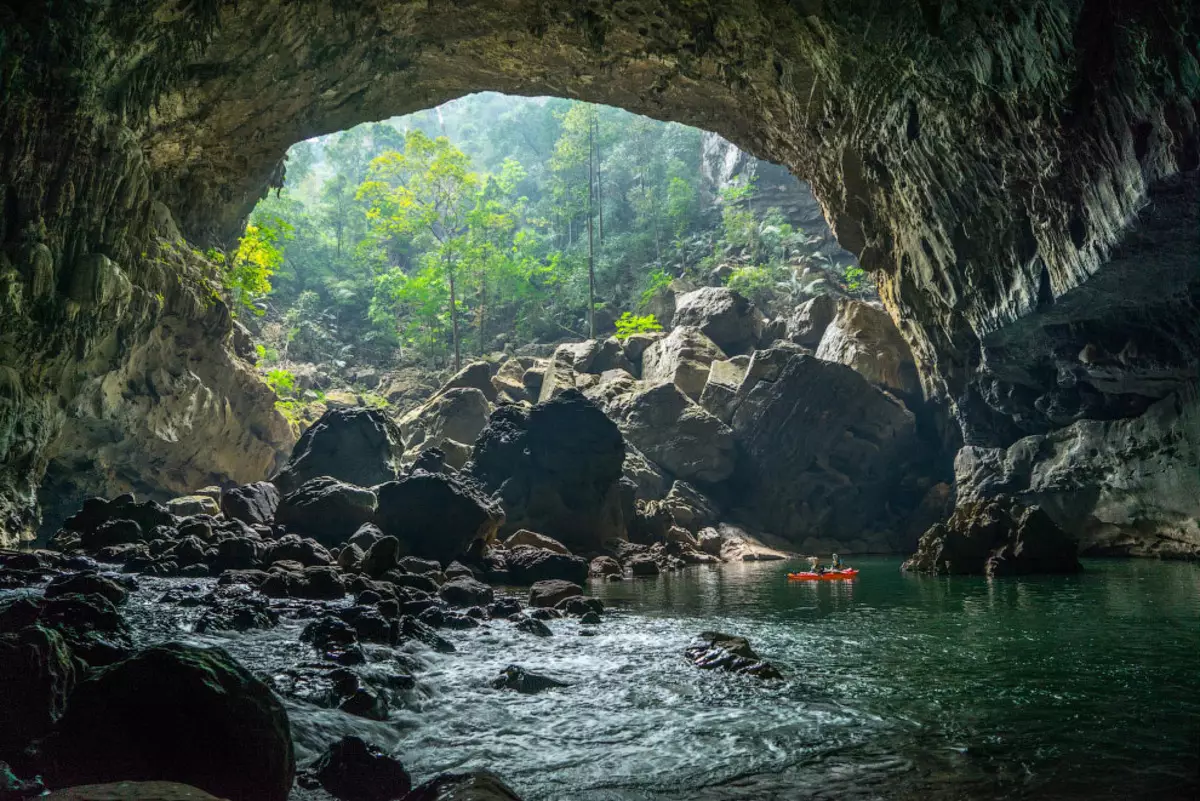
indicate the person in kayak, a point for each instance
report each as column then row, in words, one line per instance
column 836, row 563
column 814, row 565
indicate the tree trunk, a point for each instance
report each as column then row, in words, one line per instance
column 482, row 312
column 591, row 249
column 453, row 312
column 599, row 177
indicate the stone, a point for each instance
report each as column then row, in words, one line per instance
column 89, row 624
column 649, row 481
column 85, row 584
column 683, row 358
column 463, row 592
column 719, row 397
column 533, row 539
column 806, row 325
column 564, row 369
column 251, row 503
column 132, row 791
column 356, row 446
column 726, row 317
column 526, row 682
column 555, row 470
column 39, row 674
column 643, row 564
column 366, row 536
column 509, row 382
column 305, row 551
column 995, row 537
column 605, row 566
column 435, row 516
column 689, row 508
column 710, row 541
column 477, row 785
column 864, row 338
column 534, row 626
column 328, row 510
column 244, row 613
column 223, row 730
column 550, row 592
column 672, row 431
column 716, row 651
column 635, row 345
column 457, row 414
column 354, row 770
column 476, row 375
column 189, row 505
column 528, row 565
column 238, row 553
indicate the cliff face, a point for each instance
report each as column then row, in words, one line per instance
column 1003, row 169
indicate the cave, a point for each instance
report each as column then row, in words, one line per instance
column 1021, row 179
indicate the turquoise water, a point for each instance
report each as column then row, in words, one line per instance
column 898, row 687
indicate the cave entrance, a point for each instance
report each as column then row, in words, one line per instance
column 527, row 210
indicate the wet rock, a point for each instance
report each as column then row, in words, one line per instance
column 503, row 607
column 382, row 556
column 353, row 770
column 13, row 788
column 85, row 584
column 436, row 516
column 462, row 592
column 458, row 570
column 251, row 578
column 589, row 619
column 413, row 629
column 97, row 511
column 112, row 532
column 555, row 470
column 251, row 503
column 370, row 625
column 238, row 553
column 335, row 639
column 605, row 566
column 356, row 446
column 222, row 730
column 534, row 626
column 365, row 703
column 533, row 539
column 549, row 593
column 350, row 557
column 366, row 536
column 132, row 791
column 682, row 358
column 305, row 551
column 186, row 552
column 528, row 565
column 515, row 677
column 716, row 651
column 238, row 614
column 995, row 537
column 314, row 583
column 39, row 673
column 643, row 564
column 478, row 785
column 90, row 624
column 415, row 564
column 327, row 510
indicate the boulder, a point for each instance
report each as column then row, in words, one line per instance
column 535, row 540
column 682, row 358
column 528, row 565
column 509, row 382
column 726, row 317
column 716, row 651
column 719, row 397
column 86, row 584
column 678, row 434
column 824, row 452
column 605, row 566
column 808, row 322
column 179, row 713
column 132, row 791
column 39, row 673
column 435, row 516
column 635, row 346
column 251, row 503
column 382, row 556
column 464, row 592
column 563, row 371
column 864, row 338
column 189, row 505
column 353, row 770
column 549, row 593
column 89, row 624
column 305, row 551
column 328, row 510
column 476, row 375
column 456, row 414
column 357, row 446
column 689, row 508
column 526, row 682
column 555, row 469
column 650, row 483
column 534, row 626
column 995, row 537
column 478, row 785
column 643, row 564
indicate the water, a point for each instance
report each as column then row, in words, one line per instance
column 1078, row 687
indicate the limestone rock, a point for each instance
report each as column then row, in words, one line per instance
column 40, row 673
column 132, row 791
column 550, row 592
column 529, row 565
column 436, row 516
column 222, row 730
column 719, row 397
column 555, row 470
column 327, row 510
column 533, row 539
column 476, row 375
column 526, row 682
column 562, row 373
column 863, row 337
column 635, row 345
column 356, row 446
column 188, row 505
column 682, row 358
column 251, row 503
column 457, row 414
column 806, row 325
column 723, row 315
column 509, row 381
column 716, row 651
column 678, row 434
column 650, row 481
column 995, row 537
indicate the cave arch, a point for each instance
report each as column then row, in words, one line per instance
column 126, row 120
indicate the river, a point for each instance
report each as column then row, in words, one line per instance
column 1080, row 687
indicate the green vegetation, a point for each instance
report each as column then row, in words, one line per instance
column 630, row 324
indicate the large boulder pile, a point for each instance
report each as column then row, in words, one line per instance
column 555, row 469
column 683, row 358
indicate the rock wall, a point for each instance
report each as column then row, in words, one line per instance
column 990, row 163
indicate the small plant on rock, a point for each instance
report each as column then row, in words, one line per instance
column 629, row 324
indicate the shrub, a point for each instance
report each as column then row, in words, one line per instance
column 282, row 382
column 629, row 324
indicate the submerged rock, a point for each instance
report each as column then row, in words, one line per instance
column 995, row 537
column 354, row 770
column 550, row 593
column 515, row 677
column 178, row 713
column 717, row 651
column 478, row 785
column 132, row 791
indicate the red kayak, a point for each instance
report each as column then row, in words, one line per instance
column 828, row 575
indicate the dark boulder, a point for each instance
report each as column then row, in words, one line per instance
column 555, row 469
column 90, row 624
column 325, row 509
column 550, row 593
column 238, row 553
column 85, row 584
column 528, row 565
column 314, row 583
column 355, row 446
column 238, row 614
column 726, row 317
column 717, row 651
column 353, row 770
column 112, row 532
column 305, row 550
column 479, row 785
column 413, row 629
column 38, row 673
column 515, row 677
column 383, row 555
column 463, row 592
column 995, row 537
column 436, row 516
column 335, row 639
column 178, row 713
column 251, row 503
column 97, row 511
